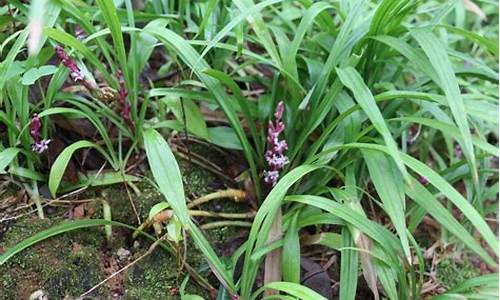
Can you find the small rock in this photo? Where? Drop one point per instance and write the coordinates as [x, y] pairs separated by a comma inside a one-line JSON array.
[[123, 254], [136, 245], [39, 295]]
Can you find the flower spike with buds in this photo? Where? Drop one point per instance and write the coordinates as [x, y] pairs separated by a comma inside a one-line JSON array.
[[75, 72], [122, 95], [39, 145], [275, 157]]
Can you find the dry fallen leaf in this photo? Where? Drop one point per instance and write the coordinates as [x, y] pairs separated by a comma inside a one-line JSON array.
[[79, 212]]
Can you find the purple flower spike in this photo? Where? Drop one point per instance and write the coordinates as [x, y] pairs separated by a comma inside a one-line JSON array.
[[275, 157], [69, 63], [124, 105], [75, 72], [39, 145], [35, 126]]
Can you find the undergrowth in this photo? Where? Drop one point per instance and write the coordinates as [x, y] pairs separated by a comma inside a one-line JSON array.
[[379, 118]]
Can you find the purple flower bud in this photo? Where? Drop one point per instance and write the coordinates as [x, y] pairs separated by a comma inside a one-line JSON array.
[[35, 125], [40, 146], [280, 108], [423, 180]]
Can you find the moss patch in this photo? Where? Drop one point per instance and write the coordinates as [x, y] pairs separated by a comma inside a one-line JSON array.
[[451, 272], [71, 263], [63, 265]]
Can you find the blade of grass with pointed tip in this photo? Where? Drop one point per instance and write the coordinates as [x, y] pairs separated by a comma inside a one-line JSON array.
[[59, 166], [353, 81], [438, 57], [168, 177], [446, 189]]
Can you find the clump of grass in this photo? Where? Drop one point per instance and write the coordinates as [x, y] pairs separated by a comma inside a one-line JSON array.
[[389, 109]]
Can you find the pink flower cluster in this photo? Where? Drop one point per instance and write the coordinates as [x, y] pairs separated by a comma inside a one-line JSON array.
[[275, 157], [75, 72], [40, 145]]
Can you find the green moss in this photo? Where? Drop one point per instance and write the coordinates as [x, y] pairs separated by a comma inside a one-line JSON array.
[[451, 272], [157, 276], [53, 264]]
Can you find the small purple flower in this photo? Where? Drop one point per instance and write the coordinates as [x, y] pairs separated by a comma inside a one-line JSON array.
[[275, 157], [41, 146], [276, 161], [79, 33], [69, 63], [271, 177]]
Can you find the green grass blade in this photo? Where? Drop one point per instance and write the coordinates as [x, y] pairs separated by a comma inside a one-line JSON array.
[[199, 65], [168, 177], [59, 166], [349, 265], [110, 16], [491, 46], [353, 81], [291, 253], [294, 289], [389, 186], [438, 57], [262, 225], [425, 199], [59, 229], [6, 156]]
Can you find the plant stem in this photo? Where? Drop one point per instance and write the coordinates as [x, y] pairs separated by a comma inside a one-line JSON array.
[[236, 195]]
